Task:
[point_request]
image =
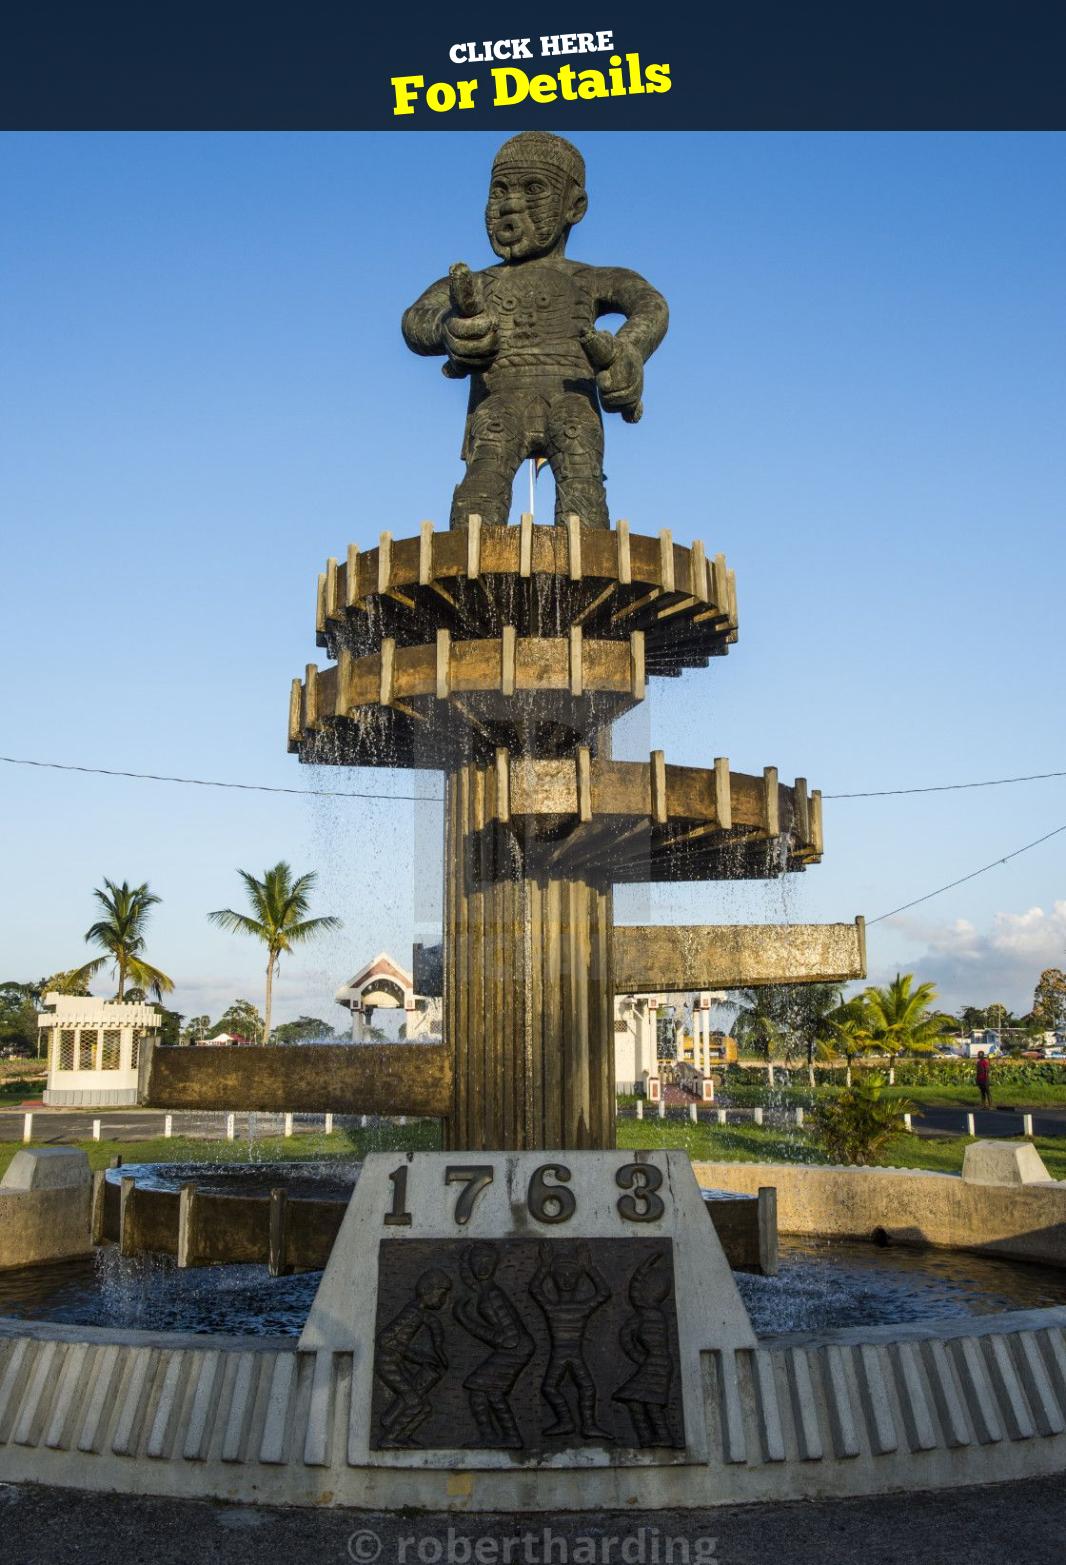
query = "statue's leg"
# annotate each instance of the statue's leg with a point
(575, 450)
(496, 442)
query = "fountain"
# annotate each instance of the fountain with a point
(530, 1318)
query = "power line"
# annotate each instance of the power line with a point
(964, 878)
(418, 798)
(992, 782)
(205, 782)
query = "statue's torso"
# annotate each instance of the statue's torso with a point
(542, 311)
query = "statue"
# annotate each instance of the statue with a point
(524, 332)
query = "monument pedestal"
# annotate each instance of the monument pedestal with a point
(527, 1309)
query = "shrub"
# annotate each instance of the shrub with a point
(854, 1124)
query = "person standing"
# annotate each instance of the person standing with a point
(982, 1075)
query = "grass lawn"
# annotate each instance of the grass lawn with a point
(704, 1142)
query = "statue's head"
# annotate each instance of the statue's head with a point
(536, 196)
(481, 1259)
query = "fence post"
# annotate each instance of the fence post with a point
(1027, 1124)
(662, 1109)
(231, 1127)
(363, 1121)
(168, 1126)
(693, 1113)
(640, 1108)
(288, 1125)
(907, 1123)
(329, 1125)
(757, 1115)
(799, 1117)
(970, 1131)
(27, 1127)
(721, 1116)
(96, 1130)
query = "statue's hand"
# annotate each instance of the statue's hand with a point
(621, 384)
(471, 340)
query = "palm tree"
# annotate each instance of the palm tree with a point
(121, 936)
(278, 905)
(900, 1018)
(850, 1031)
(761, 1023)
(814, 1008)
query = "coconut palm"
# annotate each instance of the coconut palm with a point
(850, 1032)
(761, 1020)
(120, 934)
(900, 1018)
(279, 904)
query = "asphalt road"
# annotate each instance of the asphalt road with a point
(994, 1122)
(996, 1525)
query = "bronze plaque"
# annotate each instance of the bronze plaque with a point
(525, 1345)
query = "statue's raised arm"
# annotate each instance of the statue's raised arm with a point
(525, 334)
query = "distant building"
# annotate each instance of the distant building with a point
(94, 1048)
(382, 984)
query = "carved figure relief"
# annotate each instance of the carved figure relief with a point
(524, 333)
(520, 1344)
(645, 1338)
(410, 1359)
(569, 1290)
(488, 1314)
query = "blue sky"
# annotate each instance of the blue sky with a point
(861, 401)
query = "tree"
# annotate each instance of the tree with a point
(279, 904)
(121, 935)
(196, 1029)
(761, 1021)
(855, 1124)
(305, 1029)
(814, 1007)
(850, 1032)
(1049, 999)
(18, 1018)
(900, 1018)
(242, 1019)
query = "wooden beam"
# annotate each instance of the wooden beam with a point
(366, 1078)
(671, 958)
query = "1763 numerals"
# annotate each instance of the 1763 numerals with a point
(549, 1198)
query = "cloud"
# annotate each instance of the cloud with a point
(971, 966)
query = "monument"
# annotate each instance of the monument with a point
(530, 1293)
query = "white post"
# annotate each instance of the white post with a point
(231, 1127)
(329, 1125)
(362, 1122)
(970, 1131)
(288, 1125)
(769, 1073)
(757, 1115)
(640, 1108)
(662, 1109)
(907, 1123)
(402, 1120)
(799, 1118)
(27, 1127)
(96, 1130)
(705, 1029)
(891, 1075)
(1027, 1124)
(168, 1126)
(721, 1116)
(693, 1113)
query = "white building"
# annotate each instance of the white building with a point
(637, 1056)
(382, 984)
(94, 1047)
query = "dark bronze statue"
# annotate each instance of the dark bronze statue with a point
(525, 333)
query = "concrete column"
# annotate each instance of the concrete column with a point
(288, 1125)
(328, 1127)
(231, 1127)
(27, 1126)
(757, 1116)
(168, 1126)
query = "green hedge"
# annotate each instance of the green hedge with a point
(955, 1073)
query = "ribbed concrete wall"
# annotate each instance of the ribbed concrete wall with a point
(914, 1407)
